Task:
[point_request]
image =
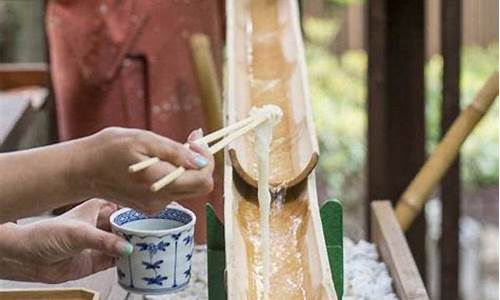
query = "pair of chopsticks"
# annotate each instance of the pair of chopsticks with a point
(232, 131)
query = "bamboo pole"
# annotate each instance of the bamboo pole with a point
(414, 197)
(208, 82)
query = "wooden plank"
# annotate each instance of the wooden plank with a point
(394, 250)
(102, 283)
(49, 294)
(451, 25)
(396, 128)
(23, 74)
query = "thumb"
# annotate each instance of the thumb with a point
(89, 237)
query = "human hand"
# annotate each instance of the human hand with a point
(71, 246)
(104, 165)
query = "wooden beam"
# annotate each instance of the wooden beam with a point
(396, 129)
(23, 74)
(451, 24)
(394, 250)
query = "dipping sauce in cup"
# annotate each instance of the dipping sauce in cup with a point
(163, 246)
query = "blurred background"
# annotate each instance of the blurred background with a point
(335, 37)
(335, 33)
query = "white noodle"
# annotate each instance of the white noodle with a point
(263, 137)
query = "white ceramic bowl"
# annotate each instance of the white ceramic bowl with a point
(163, 246)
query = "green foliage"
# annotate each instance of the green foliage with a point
(340, 3)
(338, 92)
(320, 32)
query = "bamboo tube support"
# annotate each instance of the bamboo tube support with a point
(208, 82)
(414, 197)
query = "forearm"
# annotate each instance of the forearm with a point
(40, 179)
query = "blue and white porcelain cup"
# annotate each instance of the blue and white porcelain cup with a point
(163, 246)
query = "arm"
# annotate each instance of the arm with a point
(39, 179)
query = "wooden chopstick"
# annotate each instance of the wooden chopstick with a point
(224, 142)
(165, 180)
(206, 139)
(143, 164)
(223, 131)
(162, 182)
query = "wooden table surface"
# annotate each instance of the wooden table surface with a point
(103, 282)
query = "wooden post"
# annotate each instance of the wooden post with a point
(450, 186)
(396, 131)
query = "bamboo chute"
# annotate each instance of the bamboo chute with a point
(415, 196)
(266, 65)
(268, 51)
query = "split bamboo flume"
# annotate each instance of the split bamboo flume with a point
(266, 65)
(413, 199)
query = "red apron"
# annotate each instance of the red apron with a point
(128, 63)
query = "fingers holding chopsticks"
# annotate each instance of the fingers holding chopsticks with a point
(200, 181)
(195, 139)
(194, 181)
(175, 153)
(110, 152)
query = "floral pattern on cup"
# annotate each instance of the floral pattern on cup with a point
(161, 260)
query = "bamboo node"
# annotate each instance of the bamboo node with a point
(409, 204)
(478, 108)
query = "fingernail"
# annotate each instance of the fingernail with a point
(200, 161)
(196, 134)
(125, 248)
